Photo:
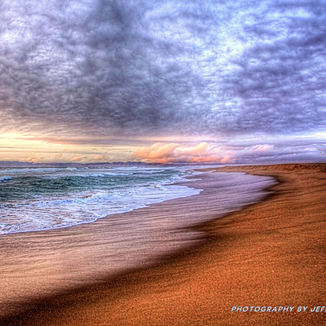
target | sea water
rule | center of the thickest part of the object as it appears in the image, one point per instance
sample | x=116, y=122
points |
x=33, y=199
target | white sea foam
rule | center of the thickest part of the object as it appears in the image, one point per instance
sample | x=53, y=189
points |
x=101, y=192
x=4, y=178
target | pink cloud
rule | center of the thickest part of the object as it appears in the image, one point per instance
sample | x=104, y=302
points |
x=78, y=158
x=31, y=160
x=174, y=153
x=158, y=153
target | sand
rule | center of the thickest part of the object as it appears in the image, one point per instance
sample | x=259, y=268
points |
x=268, y=254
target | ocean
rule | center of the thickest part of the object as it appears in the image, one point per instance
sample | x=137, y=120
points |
x=34, y=199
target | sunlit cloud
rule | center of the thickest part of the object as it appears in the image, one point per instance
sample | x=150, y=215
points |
x=174, y=153
x=97, y=80
x=215, y=153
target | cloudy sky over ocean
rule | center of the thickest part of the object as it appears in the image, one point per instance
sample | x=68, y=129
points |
x=163, y=81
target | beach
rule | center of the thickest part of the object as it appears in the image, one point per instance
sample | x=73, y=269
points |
x=271, y=253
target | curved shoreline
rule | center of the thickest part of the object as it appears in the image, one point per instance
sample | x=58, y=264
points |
x=91, y=252
x=130, y=289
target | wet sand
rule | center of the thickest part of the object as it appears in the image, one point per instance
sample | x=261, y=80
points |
x=268, y=254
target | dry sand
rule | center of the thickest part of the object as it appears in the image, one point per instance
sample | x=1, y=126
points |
x=268, y=254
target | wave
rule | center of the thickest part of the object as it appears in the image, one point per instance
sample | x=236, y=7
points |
x=82, y=175
x=86, y=207
x=29, y=170
x=59, y=197
x=5, y=177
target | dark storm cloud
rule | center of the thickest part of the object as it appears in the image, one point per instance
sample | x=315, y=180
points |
x=138, y=67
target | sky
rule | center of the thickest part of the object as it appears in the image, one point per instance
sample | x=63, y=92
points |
x=163, y=81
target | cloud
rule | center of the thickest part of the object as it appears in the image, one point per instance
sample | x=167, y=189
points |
x=143, y=68
x=174, y=153
x=261, y=148
x=232, y=153
x=31, y=160
x=78, y=158
x=157, y=152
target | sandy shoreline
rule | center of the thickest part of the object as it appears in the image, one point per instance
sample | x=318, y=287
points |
x=270, y=253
